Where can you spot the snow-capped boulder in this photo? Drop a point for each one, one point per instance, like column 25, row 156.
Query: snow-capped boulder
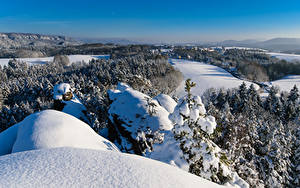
column 166, row 101
column 61, row 91
column 66, row 101
column 51, row 129
column 136, row 118
column 73, row 167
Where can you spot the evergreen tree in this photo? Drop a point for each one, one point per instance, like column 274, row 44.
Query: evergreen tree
column 194, row 128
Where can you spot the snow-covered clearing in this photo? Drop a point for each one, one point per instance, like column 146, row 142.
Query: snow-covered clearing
column 45, row 60
column 287, row 57
column 205, row 76
column 73, row 167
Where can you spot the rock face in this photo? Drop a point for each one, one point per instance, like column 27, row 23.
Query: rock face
column 13, row 40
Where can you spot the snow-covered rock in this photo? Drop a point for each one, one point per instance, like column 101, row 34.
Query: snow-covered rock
column 136, row 117
column 166, row 101
column 73, row 167
column 132, row 107
column 51, row 129
column 60, row 90
column 66, row 101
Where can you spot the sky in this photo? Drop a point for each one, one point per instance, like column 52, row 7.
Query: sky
column 153, row 20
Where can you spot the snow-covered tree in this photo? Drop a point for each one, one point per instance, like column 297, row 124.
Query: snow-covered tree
column 193, row 129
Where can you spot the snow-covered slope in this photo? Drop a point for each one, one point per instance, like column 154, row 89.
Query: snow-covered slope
column 45, row 60
column 51, row 129
column 205, row 76
column 287, row 83
column 288, row 57
column 73, row 167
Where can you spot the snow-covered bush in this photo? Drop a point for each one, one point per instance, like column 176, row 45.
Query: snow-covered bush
column 61, row 60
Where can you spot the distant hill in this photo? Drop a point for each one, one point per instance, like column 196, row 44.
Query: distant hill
column 13, row 40
column 121, row 41
column 275, row 44
column 281, row 44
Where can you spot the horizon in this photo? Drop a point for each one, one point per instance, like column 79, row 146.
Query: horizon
column 159, row 22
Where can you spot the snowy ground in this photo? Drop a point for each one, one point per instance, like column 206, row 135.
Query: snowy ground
column 288, row 57
column 205, row 76
column 73, row 167
column 45, row 60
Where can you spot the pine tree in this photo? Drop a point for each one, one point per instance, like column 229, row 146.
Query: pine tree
column 291, row 108
column 194, row 129
column 273, row 103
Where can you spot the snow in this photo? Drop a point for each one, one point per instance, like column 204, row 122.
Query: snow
column 45, row 60
column 60, row 89
column 287, row 57
column 74, row 106
column 7, row 139
column 51, row 129
column 169, row 152
column 73, row 167
column 166, row 101
column 131, row 107
column 205, row 76
column 287, row 83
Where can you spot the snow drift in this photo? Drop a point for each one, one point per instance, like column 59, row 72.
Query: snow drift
column 51, row 129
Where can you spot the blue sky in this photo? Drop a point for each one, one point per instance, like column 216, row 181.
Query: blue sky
column 169, row 21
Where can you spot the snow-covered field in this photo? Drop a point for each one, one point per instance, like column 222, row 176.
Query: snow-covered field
column 205, row 76
column 287, row 83
column 288, row 57
column 45, row 60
